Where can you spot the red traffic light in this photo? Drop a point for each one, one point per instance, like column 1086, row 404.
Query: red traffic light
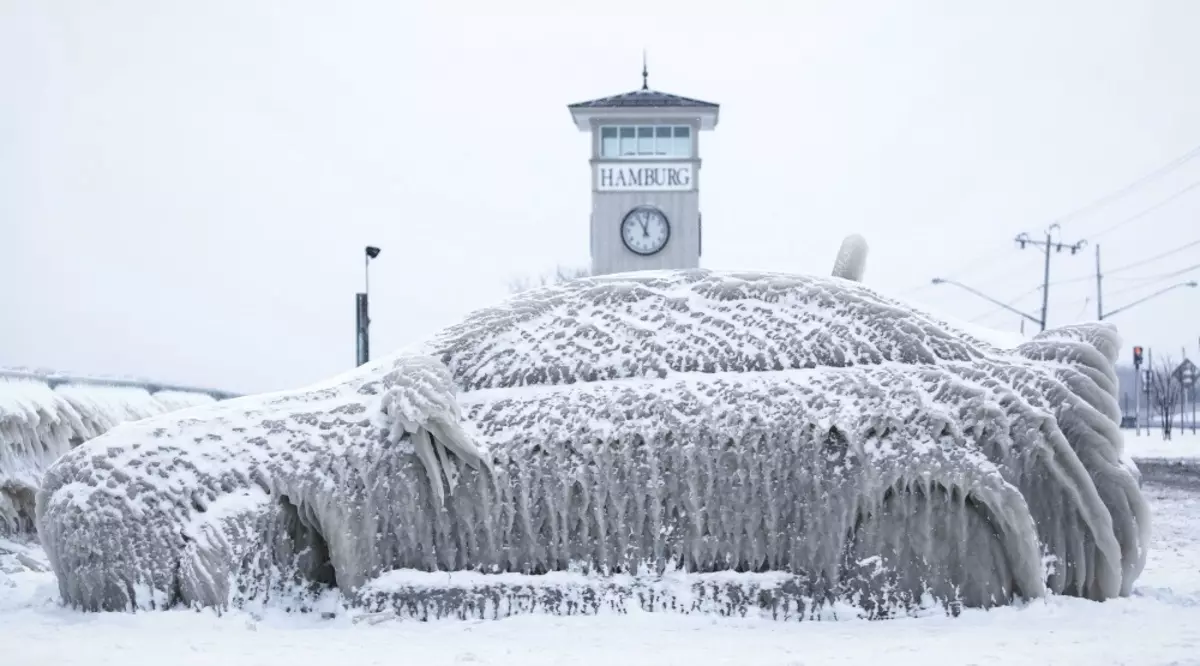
column 1137, row 355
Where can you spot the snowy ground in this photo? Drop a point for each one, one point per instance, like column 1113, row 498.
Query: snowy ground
column 1159, row 624
column 1152, row 445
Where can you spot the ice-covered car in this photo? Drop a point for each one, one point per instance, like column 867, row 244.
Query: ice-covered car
column 691, row 441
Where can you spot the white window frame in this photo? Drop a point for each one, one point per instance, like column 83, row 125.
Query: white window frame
column 671, row 155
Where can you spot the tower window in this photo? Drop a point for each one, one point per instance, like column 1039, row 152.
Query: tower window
column 609, row 144
column 633, row 142
column 628, row 141
column 645, row 141
column 683, row 141
column 662, row 141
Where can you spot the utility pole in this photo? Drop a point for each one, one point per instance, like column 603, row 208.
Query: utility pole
column 1147, row 384
column 1099, row 287
column 1024, row 239
column 1184, row 377
column 1182, row 402
column 1137, row 396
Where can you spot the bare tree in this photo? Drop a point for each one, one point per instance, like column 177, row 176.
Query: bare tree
column 1165, row 392
column 560, row 274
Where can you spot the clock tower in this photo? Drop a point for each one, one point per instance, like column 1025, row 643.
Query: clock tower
column 645, row 178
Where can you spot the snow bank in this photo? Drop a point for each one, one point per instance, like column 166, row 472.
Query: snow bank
column 39, row 423
column 697, row 421
column 1150, row 444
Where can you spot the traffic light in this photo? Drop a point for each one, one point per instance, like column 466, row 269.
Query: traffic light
column 1137, row 356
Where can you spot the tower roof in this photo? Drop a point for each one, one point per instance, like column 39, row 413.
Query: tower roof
column 644, row 98
column 644, row 103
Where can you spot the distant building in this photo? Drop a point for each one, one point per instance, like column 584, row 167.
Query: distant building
column 645, row 178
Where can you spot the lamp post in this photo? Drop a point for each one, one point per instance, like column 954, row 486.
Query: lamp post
column 362, row 320
column 1160, row 292
column 1006, row 306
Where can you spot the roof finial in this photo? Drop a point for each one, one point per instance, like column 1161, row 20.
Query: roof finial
column 645, row 74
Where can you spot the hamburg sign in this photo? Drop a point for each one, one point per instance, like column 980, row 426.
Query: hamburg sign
column 645, row 177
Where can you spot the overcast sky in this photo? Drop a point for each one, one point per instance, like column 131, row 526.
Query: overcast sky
column 186, row 187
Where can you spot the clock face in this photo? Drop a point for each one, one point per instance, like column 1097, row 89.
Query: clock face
column 645, row 230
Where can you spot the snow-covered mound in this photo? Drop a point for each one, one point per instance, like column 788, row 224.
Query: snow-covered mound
column 40, row 422
column 739, row 424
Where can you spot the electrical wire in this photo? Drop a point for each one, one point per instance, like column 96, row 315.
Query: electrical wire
column 1156, row 257
column 972, row 266
column 1150, row 281
column 988, row 259
column 1113, row 196
column 978, row 262
column 1007, row 304
column 1143, row 213
column 1118, row 269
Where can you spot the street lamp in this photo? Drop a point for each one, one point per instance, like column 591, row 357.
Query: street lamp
column 1156, row 294
column 1006, row 306
column 362, row 320
column 371, row 252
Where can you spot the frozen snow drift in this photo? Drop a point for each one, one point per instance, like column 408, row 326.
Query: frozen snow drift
column 691, row 441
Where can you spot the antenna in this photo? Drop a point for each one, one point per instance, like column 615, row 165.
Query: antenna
column 645, row 73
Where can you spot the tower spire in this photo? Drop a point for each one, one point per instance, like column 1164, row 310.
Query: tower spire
column 645, row 73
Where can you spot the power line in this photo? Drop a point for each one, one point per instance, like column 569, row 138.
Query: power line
column 973, row 266
column 1101, row 314
column 1143, row 213
column 1009, row 303
column 1156, row 257
column 1160, row 292
column 978, row 263
column 1150, row 281
column 1141, row 262
column 1108, row 275
column 988, row 259
column 1049, row 245
column 1176, row 273
column 1084, row 278
column 1144, row 281
column 1113, row 196
column 1137, row 278
column 1081, row 278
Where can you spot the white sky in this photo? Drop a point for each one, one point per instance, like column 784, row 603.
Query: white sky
column 185, row 188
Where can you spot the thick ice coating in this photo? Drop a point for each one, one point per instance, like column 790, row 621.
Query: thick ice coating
column 696, row 421
column 38, row 423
